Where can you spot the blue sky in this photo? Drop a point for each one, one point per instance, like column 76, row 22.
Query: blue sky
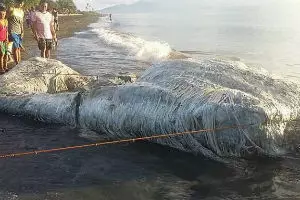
column 99, row 4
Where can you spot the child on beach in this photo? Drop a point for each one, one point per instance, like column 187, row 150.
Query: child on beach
column 3, row 39
column 9, row 52
column 15, row 18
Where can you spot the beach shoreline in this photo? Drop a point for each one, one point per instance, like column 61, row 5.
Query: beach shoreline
column 69, row 25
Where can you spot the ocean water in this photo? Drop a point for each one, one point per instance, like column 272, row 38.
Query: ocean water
column 260, row 33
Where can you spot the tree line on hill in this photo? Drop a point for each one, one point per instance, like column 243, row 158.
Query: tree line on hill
column 63, row 6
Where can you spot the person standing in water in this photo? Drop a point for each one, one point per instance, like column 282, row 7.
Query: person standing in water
column 16, row 29
column 43, row 29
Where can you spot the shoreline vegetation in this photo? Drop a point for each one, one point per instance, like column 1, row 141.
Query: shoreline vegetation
column 69, row 24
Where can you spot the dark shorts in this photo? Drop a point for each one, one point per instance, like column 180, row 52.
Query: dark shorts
column 45, row 44
column 16, row 39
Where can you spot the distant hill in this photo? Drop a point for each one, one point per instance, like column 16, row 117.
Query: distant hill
column 165, row 6
column 140, row 6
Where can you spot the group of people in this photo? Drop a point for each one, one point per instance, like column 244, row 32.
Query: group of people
column 29, row 13
column 43, row 24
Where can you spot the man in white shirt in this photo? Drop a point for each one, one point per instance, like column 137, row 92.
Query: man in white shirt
column 43, row 29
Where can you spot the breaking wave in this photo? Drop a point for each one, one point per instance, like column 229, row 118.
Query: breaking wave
column 137, row 47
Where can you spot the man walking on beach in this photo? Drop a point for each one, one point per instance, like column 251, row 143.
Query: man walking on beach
column 43, row 29
column 32, row 11
column 16, row 29
column 27, row 17
column 55, row 15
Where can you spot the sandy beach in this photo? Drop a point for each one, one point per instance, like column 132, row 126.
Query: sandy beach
column 68, row 26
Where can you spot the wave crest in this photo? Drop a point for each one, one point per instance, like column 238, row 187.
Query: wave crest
column 137, row 47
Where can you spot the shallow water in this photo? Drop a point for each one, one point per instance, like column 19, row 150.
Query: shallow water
column 90, row 56
column 260, row 32
column 129, row 171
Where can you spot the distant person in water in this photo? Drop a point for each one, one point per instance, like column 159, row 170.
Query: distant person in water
column 3, row 39
column 16, row 29
column 110, row 17
column 43, row 29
